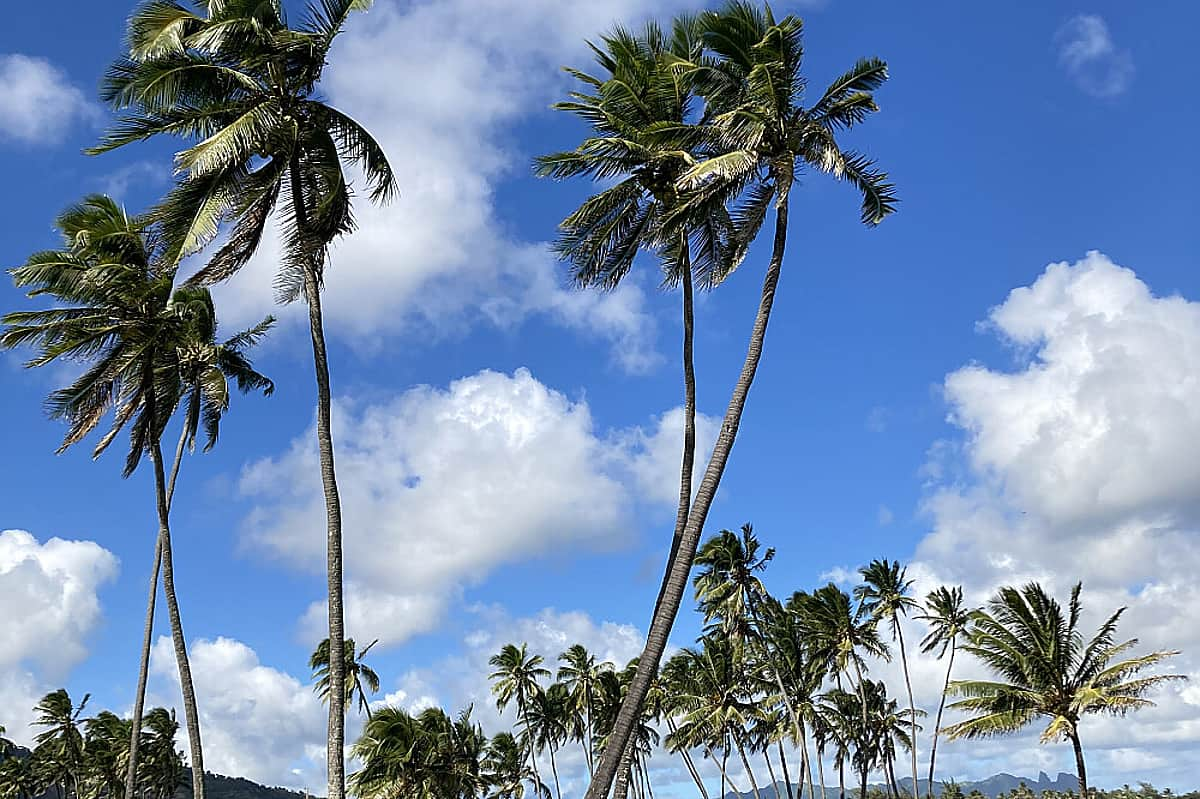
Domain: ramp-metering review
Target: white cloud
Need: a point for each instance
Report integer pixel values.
(439, 487)
(49, 603)
(442, 255)
(1078, 464)
(38, 104)
(255, 721)
(1091, 58)
(885, 516)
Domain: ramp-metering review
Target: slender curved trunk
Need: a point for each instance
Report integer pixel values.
(820, 772)
(841, 778)
(724, 764)
(191, 716)
(893, 786)
(771, 773)
(335, 742)
(588, 752)
(937, 725)
(746, 764)
(862, 793)
(787, 778)
(1080, 768)
(554, 771)
(912, 708)
(680, 566)
(139, 700)
(687, 760)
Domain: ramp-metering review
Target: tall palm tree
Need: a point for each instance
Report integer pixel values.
(113, 287)
(506, 769)
(675, 680)
(753, 87)
(19, 778)
(361, 678)
(1045, 669)
(236, 79)
(884, 595)
(206, 366)
(580, 672)
(948, 619)
(516, 679)
(60, 741)
(838, 638)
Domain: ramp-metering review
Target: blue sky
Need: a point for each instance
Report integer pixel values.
(507, 443)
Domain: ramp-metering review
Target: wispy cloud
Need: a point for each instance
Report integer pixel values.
(38, 104)
(1090, 57)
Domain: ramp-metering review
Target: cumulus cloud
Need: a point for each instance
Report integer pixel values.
(1077, 464)
(1090, 57)
(38, 103)
(443, 254)
(256, 721)
(440, 486)
(50, 605)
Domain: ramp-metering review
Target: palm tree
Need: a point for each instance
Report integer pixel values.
(106, 754)
(676, 682)
(884, 596)
(837, 636)
(205, 367)
(753, 88)
(162, 767)
(1044, 669)
(549, 723)
(6, 745)
(60, 742)
(243, 82)
(113, 288)
(948, 618)
(516, 680)
(361, 678)
(580, 672)
(506, 769)
(19, 778)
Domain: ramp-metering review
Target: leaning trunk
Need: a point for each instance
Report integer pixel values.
(937, 726)
(1080, 768)
(912, 708)
(191, 717)
(771, 773)
(787, 779)
(554, 770)
(820, 772)
(335, 743)
(687, 759)
(680, 566)
(749, 771)
(139, 700)
(621, 789)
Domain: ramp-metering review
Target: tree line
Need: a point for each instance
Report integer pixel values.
(77, 757)
(770, 680)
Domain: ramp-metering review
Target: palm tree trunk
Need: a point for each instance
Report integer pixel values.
(937, 725)
(621, 789)
(1080, 768)
(335, 743)
(687, 759)
(554, 770)
(588, 752)
(680, 566)
(771, 773)
(820, 772)
(139, 700)
(724, 764)
(191, 716)
(862, 794)
(749, 771)
(841, 778)
(787, 779)
(911, 707)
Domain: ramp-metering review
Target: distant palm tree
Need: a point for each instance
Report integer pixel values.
(676, 682)
(506, 769)
(162, 767)
(948, 619)
(1046, 670)
(838, 638)
(106, 754)
(516, 679)
(884, 595)
(430, 755)
(580, 672)
(761, 135)
(549, 723)
(360, 678)
(6, 745)
(242, 82)
(60, 743)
